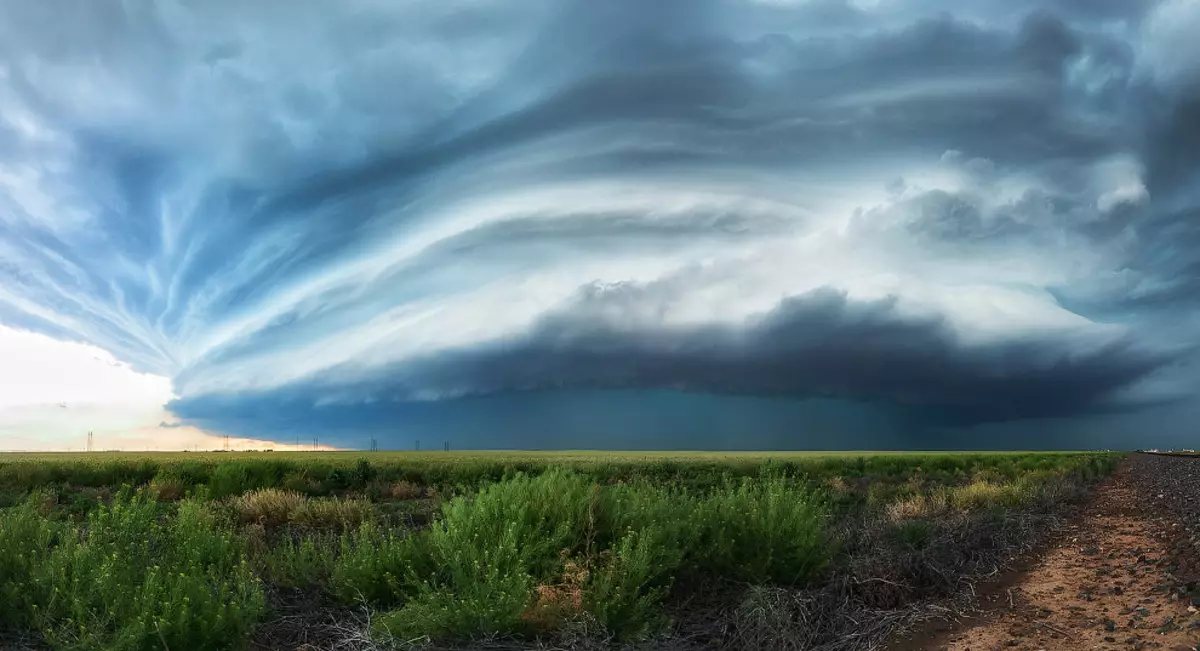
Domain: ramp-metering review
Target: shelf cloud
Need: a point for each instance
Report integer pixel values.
(960, 221)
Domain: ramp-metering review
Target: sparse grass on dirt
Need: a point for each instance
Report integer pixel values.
(219, 551)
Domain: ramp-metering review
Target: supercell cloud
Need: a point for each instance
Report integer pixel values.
(952, 223)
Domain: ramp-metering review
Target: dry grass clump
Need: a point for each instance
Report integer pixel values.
(273, 507)
(981, 494)
(405, 490)
(838, 484)
(917, 507)
(269, 507)
(331, 513)
(168, 488)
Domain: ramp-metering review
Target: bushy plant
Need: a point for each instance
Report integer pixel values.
(136, 579)
(378, 565)
(301, 563)
(772, 530)
(628, 583)
(270, 507)
(481, 590)
(487, 552)
(330, 513)
(168, 486)
(25, 537)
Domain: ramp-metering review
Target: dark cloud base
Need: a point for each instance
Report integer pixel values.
(819, 344)
(844, 375)
(653, 420)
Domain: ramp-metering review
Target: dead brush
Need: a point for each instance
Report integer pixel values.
(255, 535)
(823, 619)
(331, 513)
(558, 603)
(168, 488)
(917, 507)
(405, 490)
(270, 507)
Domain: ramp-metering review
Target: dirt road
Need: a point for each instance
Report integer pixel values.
(1108, 582)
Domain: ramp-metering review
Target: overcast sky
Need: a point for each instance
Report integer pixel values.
(582, 224)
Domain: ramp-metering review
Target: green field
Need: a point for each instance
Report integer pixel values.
(395, 549)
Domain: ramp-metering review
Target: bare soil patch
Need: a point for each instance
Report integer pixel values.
(1110, 580)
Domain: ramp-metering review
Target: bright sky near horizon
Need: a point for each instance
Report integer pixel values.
(52, 393)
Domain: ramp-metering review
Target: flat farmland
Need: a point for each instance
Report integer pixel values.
(578, 549)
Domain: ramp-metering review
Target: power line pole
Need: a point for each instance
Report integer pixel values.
(374, 445)
(89, 443)
(227, 443)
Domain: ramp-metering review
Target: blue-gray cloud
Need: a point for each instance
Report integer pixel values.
(955, 213)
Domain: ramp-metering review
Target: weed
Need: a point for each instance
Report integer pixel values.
(377, 565)
(330, 513)
(770, 530)
(404, 490)
(918, 506)
(302, 563)
(168, 487)
(270, 507)
(132, 580)
(629, 582)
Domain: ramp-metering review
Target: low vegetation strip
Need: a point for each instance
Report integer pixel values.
(369, 552)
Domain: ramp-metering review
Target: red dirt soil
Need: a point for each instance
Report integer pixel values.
(1109, 581)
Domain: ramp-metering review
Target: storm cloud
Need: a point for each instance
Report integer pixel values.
(947, 214)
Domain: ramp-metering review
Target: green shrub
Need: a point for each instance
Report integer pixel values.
(302, 563)
(759, 531)
(135, 579)
(229, 479)
(541, 516)
(168, 486)
(299, 481)
(487, 553)
(628, 584)
(237, 477)
(25, 537)
(484, 594)
(80, 503)
(378, 565)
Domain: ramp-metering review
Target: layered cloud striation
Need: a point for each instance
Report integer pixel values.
(366, 218)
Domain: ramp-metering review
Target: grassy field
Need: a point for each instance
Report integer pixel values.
(394, 550)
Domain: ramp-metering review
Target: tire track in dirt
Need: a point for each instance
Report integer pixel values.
(1105, 583)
